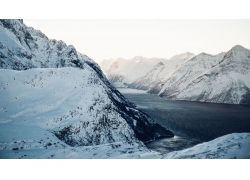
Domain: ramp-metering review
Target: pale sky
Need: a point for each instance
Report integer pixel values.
(104, 39)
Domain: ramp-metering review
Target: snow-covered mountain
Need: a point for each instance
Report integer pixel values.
(59, 98)
(159, 71)
(223, 78)
(121, 72)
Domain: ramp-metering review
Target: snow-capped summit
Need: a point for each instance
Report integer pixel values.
(239, 48)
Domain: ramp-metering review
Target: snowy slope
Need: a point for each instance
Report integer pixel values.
(232, 146)
(122, 72)
(224, 78)
(160, 71)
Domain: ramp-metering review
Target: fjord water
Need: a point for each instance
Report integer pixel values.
(191, 122)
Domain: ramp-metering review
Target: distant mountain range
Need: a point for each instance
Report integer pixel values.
(221, 78)
(123, 72)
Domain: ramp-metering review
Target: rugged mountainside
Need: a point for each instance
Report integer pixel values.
(223, 78)
(121, 72)
(160, 71)
(61, 94)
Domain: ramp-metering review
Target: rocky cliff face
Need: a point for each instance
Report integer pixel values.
(64, 92)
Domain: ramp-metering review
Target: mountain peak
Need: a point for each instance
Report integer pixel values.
(189, 53)
(238, 48)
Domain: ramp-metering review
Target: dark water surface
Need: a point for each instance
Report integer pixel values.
(191, 122)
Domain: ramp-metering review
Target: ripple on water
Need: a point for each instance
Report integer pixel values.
(176, 143)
